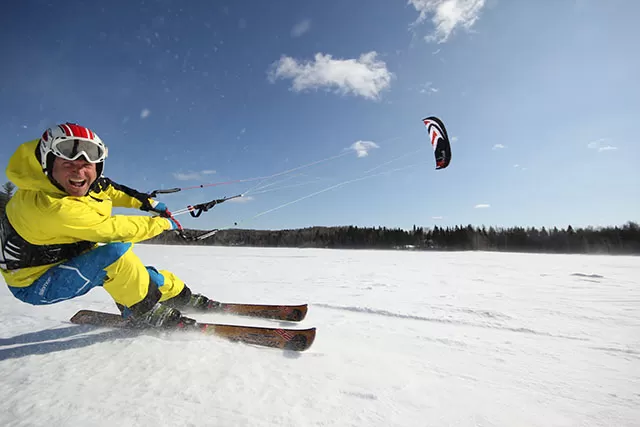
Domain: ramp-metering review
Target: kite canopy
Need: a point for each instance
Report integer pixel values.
(439, 141)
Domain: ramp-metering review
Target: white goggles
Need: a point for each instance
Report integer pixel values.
(72, 149)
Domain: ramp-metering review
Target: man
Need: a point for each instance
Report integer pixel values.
(49, 235)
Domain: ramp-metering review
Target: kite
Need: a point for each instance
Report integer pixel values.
(439, 141)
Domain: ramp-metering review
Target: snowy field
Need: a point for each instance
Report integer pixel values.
(404, 339)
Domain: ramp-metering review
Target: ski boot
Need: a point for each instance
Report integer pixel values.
(201, 303)
(186, 300)
(163, 317)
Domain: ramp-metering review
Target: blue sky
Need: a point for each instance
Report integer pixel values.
(541, 99)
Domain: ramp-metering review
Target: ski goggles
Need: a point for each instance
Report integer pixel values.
(72, 149)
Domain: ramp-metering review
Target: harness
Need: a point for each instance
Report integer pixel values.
(16, 252)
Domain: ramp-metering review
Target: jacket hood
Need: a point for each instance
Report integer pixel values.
(24, 170)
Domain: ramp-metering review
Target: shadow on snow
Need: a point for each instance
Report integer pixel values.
(41, 342)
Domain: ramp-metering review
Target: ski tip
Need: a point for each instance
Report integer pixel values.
(298, 313)
(302, 340)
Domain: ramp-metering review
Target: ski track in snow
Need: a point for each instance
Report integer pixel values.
(404, 339)
(593, 276)
(452, 321)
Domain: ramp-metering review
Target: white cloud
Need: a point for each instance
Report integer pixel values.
(482, 206)
(447, 15)
(516, 166)
(145, 113)
(192, 176)
(602, 144)
(365, 76)
(498, 147)
(437, 217)
(300, 28)
(363, 147)
(428, 88)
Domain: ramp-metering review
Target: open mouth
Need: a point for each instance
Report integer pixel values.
(78, 183)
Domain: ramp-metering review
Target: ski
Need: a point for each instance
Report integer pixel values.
(283, 338)
(292, 313)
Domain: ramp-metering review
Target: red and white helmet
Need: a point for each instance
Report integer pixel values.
(70, 141)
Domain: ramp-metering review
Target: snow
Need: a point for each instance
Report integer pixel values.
(405, 338)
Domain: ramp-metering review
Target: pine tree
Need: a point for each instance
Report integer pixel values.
(5, 194)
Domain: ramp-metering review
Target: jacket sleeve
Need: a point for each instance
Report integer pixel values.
(79, 221)
(123, 196)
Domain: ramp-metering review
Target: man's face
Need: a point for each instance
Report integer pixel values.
(75, 176)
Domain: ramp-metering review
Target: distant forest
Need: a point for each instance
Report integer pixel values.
(623, 239)
(605, 240)
(5, 194)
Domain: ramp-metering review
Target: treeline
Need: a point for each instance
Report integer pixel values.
(5, 194)
(608, 240)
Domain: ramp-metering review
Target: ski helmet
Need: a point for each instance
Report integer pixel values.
(70, 141)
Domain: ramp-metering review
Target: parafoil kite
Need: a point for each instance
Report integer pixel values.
(439, 141)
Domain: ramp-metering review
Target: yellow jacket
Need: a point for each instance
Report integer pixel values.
(42, 214)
